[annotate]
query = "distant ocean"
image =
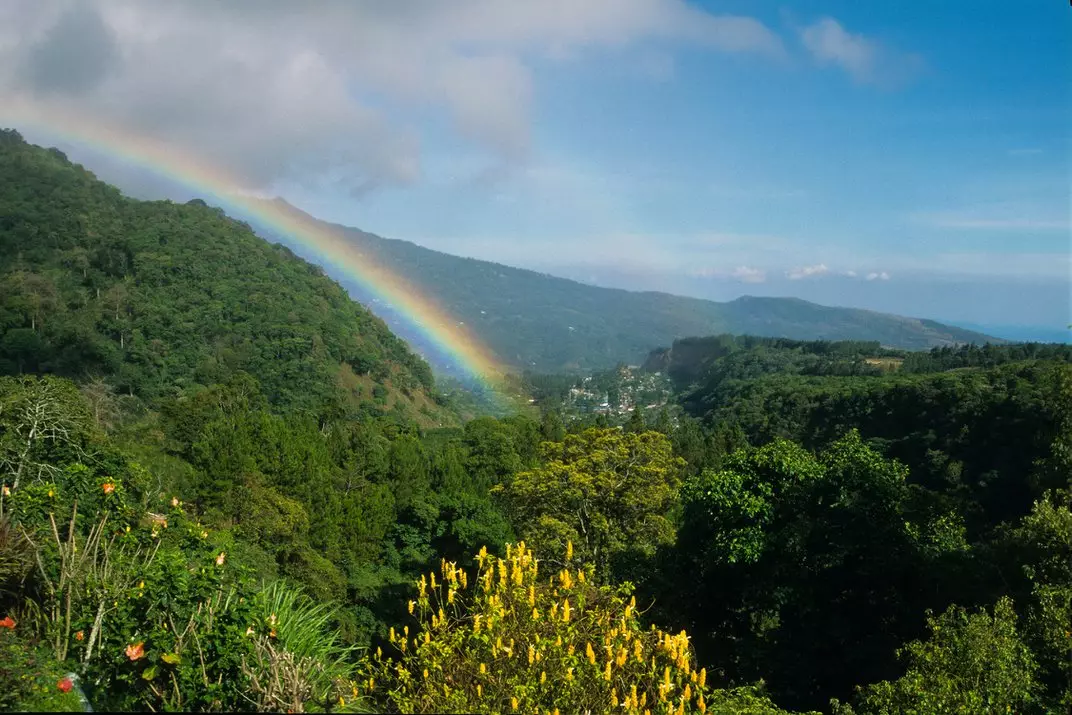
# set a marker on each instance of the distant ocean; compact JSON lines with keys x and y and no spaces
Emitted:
{"x":1020,"y":333}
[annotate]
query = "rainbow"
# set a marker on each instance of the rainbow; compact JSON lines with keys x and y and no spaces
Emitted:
{"x":445,"y":334}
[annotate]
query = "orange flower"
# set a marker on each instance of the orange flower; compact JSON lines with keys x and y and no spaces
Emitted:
{"x":65,"y":685}
{"x":8,"y":622}
{"x":79,"y":635}
{"x":7,"y":490}
{"x":108,"y":487}
{"x":220,"y":558}
{"x":136,"y":651}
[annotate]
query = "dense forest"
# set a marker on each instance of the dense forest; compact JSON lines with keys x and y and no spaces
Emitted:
{"x":207,"y":506}
{"x":547,"y":324}
{"x":158,"y":298}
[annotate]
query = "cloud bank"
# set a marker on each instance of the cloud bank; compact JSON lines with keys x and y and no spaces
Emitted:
{"x":340,"y":89}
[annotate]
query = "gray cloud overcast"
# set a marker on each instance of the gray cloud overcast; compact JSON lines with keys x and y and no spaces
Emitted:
{"x":274,"y":88}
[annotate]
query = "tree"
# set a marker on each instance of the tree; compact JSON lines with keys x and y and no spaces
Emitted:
{"x":972,"y":663}
{"x":635,"y":424}
{"x":1040,"y":548}
{"x":493,"y":456}
{"x":778,"y":534}
{"x":517,"y":639}
{"x":607,"y":491}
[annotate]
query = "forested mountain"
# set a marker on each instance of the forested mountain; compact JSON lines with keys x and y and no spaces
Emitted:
{"x":155,"y":298}
{"x":548,"y":324}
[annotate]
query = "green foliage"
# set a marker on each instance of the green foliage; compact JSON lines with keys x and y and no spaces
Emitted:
{"x":31,"y":680}
{"x":297,"y":662}
{"x":972,"y":663}
{"x":608,"y":492}
{"x":778,"y":534}
{"x":971,"y":434}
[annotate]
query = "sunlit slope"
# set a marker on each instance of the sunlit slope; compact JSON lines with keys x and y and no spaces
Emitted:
{"x":157,"y":297}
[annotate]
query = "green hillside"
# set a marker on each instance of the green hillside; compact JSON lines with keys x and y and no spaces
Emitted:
{"x":160,"y":298}
{"x":547,"y":324}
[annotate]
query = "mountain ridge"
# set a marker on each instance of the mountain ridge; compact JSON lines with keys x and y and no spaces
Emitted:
{"x":546,"y":323}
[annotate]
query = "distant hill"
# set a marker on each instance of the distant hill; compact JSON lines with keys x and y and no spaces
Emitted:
{"x":157,"y":298}
{"x":548,"y":324}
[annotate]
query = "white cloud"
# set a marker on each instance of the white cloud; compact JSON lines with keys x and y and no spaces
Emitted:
{"x":796,"y":274}
{"x":284,"y":89}
{"x":849,"y":274}
{"x":879,"y":276}
{"x":746,"y":274}
{"x":866,"y":60}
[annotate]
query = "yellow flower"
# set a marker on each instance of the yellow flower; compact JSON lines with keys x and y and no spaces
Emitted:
{"x":703,"y":677}
{"x":543,"y":677}
{"x":479,"y":690}
{"x":565,"y":611}
{"x":513,"y":703}
{"x":483,"y":668}
{"x":569,"y":550}
{"x":425,"y":674}
{"x":411,"y":606}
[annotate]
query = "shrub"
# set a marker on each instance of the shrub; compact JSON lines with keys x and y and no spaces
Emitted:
{"x":514,"y":640}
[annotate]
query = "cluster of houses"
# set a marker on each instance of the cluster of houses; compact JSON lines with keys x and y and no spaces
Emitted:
{"x":618,"y":392}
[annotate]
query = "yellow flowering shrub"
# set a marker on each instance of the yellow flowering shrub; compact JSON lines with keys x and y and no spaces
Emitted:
{"x":517,"y":639}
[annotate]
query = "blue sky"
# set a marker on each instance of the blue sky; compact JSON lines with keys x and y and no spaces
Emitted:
{"x":912,"y":157}
{"x":939,"y":150}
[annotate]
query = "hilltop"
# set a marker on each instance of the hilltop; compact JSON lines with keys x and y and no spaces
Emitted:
{"x":158,"y":298}
{"x":548,"y":324}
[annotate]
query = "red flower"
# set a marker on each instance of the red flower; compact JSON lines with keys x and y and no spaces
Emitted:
{"x":8,"y":622}
{"x":136,"y":651}
{"x":65,"y":685}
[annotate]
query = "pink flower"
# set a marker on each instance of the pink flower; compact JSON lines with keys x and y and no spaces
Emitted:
{"x":136,"y":651}
{"x":65,"y":685}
